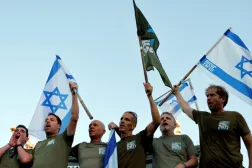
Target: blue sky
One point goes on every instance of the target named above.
(98, 43)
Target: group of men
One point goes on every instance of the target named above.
(220, 133)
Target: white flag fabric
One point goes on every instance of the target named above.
(110, 158)
(171, 105)
(230, 63)
(56, 98)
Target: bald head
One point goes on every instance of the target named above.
(99, 123)
(96, 129)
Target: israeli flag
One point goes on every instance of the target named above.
(56, 98)
(171, 105)
(110, 158)
(230, 63)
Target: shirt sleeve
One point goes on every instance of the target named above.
(190, 148)
(74, 151)
(145, 140)
(243, 128)
(68, 139)
(196, 116)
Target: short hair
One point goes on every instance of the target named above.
(22, 126)
(221, 91)
(134, 116)
(170, 116)
(57, 117)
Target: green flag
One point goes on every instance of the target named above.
(150, 45)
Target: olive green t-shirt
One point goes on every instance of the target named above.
(10, 159)
(132, 150)
(220, 138)
(53, 152)
(169, 151)
(90, 155)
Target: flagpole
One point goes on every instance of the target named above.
(83, 105)
(193, 68)
(192, 88)
(79, 97)
(142, 57)
(162, 95)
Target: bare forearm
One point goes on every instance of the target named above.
(4, 149)
(74, 116)
(193, 162)
(75, 108)
(23, 155)
(184, 105)
(154, 111)
(250, 156)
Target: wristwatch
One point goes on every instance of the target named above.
(19, 145)
(184, 165)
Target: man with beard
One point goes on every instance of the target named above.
(8, 154)
(220, 130)
(54, 151)
(172, 151)
(131, 148)
(91, 155)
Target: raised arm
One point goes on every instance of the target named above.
(151, 128)
(22, 154)
(11, 143)
(247, 139)
(112, 125)
(183, 104)
(75, 111)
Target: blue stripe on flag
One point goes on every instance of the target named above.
(58, 57)
(236, 84)
(69, 76)
(54, 70)
(236, 39)
(177, 107)
(182, 87)
(110, 149)
(65, 121)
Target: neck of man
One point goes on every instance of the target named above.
(168, 133)
(126, 134)
(95, 139)
(50, 135)
(216, 111)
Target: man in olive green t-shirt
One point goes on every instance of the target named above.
(131, 148)
(220, 131)
(172, 151)
(8, 154)
(91, 155)
(54, 151)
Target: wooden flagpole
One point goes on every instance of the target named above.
(192, 88)
(83, 105)
(79, 97)
(193, 68)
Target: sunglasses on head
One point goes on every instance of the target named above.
(133, 113)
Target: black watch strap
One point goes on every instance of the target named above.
(19, 145)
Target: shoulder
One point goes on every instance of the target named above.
(233, 113)
(196, 112)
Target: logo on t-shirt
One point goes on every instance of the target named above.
(223, 125)
(176, 146)
(51, 142)
(102, 151)
(131, 145)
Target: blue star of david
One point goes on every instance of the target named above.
(241, 68)
(49, 104)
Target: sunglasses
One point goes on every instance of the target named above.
(133, 113)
